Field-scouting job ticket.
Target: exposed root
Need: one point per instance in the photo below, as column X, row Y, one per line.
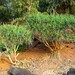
column 15, row 57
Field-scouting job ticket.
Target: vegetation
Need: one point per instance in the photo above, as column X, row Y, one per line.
column 51, row 6
column 11, row 9
column 49, row 21
column 12, row 36
column 53, row 28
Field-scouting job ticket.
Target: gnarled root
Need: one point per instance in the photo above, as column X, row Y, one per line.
column 15, row 57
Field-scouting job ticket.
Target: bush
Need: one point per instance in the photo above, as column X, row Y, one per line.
column 18, row 21
column 22, row 47
column 1, row 47
column 12, row 36
column 54, row 28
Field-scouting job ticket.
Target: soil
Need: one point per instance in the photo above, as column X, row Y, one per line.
column 39, row 61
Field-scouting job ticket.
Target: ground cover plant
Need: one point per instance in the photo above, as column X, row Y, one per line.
column 12, row 36
column 53, row 28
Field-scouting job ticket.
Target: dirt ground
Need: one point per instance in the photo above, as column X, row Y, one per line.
column 39, row 61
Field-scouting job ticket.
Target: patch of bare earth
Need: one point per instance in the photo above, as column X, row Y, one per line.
column 39, row 61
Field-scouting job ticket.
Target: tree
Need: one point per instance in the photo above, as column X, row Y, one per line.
column 4, row 12
column 11, row 9
column 50, row 6
column 21, row 8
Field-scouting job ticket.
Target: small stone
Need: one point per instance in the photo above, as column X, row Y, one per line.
column 71, row 71
column 64, row 74
column 18, row 71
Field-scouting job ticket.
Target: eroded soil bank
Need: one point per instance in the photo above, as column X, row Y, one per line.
column 38, row 61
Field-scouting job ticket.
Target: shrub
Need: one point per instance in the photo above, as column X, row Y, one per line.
column 12, row 36
column 18, row 21
column 22, row 47
column 52, row 27
column 1, row 47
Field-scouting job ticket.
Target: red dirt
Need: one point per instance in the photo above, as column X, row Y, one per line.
column 4, row 64
column 68, row 52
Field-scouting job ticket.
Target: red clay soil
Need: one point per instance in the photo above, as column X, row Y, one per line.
column 68, row 52
column 4, row 64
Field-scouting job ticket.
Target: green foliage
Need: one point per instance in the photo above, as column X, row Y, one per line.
column 50, row 6
column 18, row 21
column 1, row 47
column 37, row 22
column 20, row 8
column 51, row 27
column 22, row 47
column 11, row 9
column 4, row 12
column 12, row 36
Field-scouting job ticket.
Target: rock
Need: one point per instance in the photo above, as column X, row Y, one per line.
column 71, row 71
column 18, row 71
column 64, row 74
